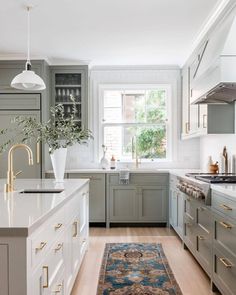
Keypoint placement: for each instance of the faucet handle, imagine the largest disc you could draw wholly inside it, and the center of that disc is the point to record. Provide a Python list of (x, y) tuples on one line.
[(17, 173)]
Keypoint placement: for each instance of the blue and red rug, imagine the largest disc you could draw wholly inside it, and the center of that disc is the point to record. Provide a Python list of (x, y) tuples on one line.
[(135, 269)]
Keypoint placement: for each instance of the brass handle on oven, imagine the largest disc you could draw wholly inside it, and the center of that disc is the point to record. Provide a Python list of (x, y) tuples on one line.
[(45, 269), (38, 153), (57, 226), (225, 207), (204, 117), (59, 288), (59, 246), (226, 263), (225, 225), (76, 229), (42, 245)]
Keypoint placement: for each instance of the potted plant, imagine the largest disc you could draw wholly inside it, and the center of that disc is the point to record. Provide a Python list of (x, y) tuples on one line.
[(59, 132)]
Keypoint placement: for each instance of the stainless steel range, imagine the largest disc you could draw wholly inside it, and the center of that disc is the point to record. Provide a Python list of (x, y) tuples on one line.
[(214, 178), (197, 185), (195, 188)]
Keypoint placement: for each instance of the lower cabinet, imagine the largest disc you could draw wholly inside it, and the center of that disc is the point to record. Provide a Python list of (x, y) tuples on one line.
[(176, 207), (198, 230), (143, 200), (224, 253), (97, 195), (47, 262)]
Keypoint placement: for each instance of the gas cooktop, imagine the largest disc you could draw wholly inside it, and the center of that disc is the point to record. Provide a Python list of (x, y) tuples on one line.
[(214, 178)]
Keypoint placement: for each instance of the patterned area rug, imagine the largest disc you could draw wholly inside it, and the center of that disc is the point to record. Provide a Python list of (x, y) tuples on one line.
[(136, 268)]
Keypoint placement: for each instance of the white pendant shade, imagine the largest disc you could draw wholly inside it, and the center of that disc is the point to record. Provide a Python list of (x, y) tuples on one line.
[(28, 80)]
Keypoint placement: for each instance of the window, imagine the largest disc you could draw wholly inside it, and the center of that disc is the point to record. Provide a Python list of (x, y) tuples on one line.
[(136, 120)]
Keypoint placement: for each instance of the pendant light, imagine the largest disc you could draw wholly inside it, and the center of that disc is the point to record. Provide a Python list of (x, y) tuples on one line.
[(28, 80)]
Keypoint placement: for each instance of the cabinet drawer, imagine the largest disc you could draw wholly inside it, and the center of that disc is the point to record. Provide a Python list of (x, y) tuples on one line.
[(224, 271), (139, 178), (42, 240), (190, 233), (224, 205), (190, 208), (20, 101), (225, 233), (204, 218), (204, 249)]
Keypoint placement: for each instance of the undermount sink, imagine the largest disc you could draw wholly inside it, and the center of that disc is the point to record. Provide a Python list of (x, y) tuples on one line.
[(42, 191)]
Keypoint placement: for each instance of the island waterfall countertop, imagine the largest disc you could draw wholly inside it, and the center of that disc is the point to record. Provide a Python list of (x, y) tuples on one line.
[(22, 213)]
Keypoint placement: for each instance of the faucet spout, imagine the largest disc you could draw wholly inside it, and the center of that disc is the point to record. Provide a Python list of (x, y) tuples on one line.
[(9, 187)]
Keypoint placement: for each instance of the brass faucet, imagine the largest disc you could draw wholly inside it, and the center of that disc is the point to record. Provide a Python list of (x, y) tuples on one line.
[(134, 152), (9, 186)]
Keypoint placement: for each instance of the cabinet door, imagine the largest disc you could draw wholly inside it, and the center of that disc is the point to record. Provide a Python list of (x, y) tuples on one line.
[(180, 213), (173, 208), (185, 101), (20, 155), (123, 203), (152, 203), (4, 269), (97, 196)]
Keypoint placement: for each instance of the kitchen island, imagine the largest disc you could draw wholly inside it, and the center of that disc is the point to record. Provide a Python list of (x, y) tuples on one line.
[(43, 236)]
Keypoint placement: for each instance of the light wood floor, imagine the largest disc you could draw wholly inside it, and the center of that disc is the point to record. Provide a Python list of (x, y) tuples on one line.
[(189, 275)]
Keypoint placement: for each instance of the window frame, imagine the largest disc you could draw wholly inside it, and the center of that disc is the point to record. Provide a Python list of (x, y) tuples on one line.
[(119, 87)]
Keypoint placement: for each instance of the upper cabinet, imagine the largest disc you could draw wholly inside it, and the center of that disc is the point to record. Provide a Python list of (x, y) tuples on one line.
[(201, 119), (67, 81)]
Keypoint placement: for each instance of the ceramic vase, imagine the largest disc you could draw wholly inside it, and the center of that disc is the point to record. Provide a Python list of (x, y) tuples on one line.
[(104, 163), (58, 158)]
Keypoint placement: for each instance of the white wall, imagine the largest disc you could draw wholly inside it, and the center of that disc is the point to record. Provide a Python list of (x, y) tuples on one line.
[(212, 145), (185, 153)]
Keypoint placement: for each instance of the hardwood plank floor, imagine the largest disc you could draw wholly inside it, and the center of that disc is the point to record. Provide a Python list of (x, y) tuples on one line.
[(189, 275)]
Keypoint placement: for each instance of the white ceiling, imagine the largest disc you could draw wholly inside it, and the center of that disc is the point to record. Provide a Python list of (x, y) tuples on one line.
[(104, 32)]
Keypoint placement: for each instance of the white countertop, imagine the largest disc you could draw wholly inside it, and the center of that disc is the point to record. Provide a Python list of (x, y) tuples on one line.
[(178, 172), (21, 214), (227, 189)]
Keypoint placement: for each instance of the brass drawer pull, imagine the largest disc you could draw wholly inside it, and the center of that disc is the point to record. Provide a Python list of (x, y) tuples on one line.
[(225, 225), (225, 207), (59, 225), (188, 224), (59, 246), (201, 238), (75, 224), (42, 245), (59, 289), (45, 270), (226, 263)]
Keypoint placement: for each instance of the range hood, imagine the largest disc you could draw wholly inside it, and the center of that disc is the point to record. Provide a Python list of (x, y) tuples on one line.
[(215, 78)]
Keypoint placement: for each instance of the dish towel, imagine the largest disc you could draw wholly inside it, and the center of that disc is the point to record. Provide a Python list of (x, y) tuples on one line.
[(124, 176)]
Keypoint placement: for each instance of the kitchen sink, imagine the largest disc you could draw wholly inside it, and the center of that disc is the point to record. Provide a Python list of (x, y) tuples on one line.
[(42, 191)]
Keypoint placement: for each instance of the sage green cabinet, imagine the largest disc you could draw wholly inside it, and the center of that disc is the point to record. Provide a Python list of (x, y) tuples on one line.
[(97, 197), (123, 203), (198, 231), (12, 106), (176, 206), (152, 203), (224, 242), (144, 200), (71, 80)]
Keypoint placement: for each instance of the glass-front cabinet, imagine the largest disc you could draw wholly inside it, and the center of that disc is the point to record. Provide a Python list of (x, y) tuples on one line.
[(67, 81)]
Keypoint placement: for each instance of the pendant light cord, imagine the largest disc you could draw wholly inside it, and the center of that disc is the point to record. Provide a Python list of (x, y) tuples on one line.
[(28, 63)]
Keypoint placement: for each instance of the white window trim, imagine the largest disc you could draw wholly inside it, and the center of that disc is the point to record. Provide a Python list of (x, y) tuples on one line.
[(167, 87)]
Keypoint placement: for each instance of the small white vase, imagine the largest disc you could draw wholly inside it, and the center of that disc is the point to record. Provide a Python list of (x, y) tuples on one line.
[(58, 158), (104, 163)]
